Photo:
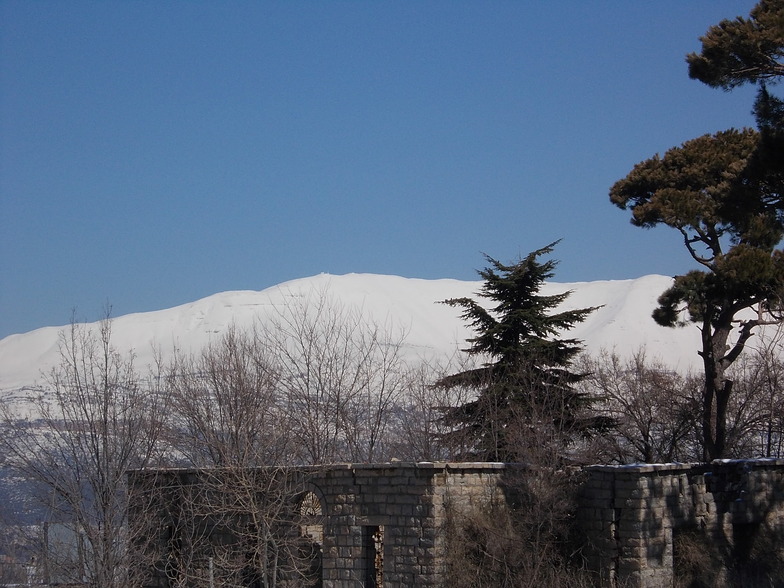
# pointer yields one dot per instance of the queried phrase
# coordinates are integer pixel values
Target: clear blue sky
(153, 153)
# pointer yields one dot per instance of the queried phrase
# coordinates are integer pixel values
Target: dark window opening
(374, 556)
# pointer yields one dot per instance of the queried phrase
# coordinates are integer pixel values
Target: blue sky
(153, 153)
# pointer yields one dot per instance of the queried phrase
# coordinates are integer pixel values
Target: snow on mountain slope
(623, 324)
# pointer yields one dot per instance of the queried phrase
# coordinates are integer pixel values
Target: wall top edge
(497, 466)
(421, 465)
(669, 467)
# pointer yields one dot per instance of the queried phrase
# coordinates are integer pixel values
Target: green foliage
(706, 190)
(723, 193)
(766, 167)
(740, 51)
(526, 374)
(692, 187)
(737, 52)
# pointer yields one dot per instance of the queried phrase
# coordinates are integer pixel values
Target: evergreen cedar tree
(527, 377)
(723, 193)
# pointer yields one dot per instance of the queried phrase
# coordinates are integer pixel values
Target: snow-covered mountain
(623, 324)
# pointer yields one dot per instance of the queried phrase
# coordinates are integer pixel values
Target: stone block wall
(378, 524)
(632, 515)
(385, 524)
(404, 506)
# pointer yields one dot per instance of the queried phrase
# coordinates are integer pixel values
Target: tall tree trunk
(709, 391)
(718, 388)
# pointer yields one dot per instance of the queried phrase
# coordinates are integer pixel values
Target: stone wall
(386, 524)
(404, 506)
(635, 518)
(376, 525)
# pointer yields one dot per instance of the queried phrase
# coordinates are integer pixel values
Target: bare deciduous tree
(526, 539)
(340, 375)
(227, 527)
(233, 520)
(95, 419)
(318, 383)
(417, 428)
(656, 409)
(755, 422)
(226, 405)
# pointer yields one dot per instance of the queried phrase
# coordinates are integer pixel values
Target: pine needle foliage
(724, 193)
(524, 382)
(742, 50)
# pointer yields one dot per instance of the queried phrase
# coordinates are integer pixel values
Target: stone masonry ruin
(375, 525)
(637, 517)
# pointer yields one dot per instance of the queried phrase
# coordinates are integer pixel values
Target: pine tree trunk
(717, 392)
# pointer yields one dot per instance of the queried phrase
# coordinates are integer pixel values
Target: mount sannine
(623, 324)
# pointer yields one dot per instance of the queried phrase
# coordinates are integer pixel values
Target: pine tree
(525, 381)
(742, 50)
(724, 195)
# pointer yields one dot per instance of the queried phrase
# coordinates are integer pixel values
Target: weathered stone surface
(629, 514)
(405, 502)
(654, 502)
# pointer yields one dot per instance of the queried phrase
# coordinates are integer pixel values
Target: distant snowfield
(622, 325)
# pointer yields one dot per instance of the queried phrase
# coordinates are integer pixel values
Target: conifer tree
(525, 379)
(723, 193)
(742, 50)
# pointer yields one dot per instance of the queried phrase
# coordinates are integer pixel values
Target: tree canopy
(723, 193)
(525, 375)
(735, 52)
